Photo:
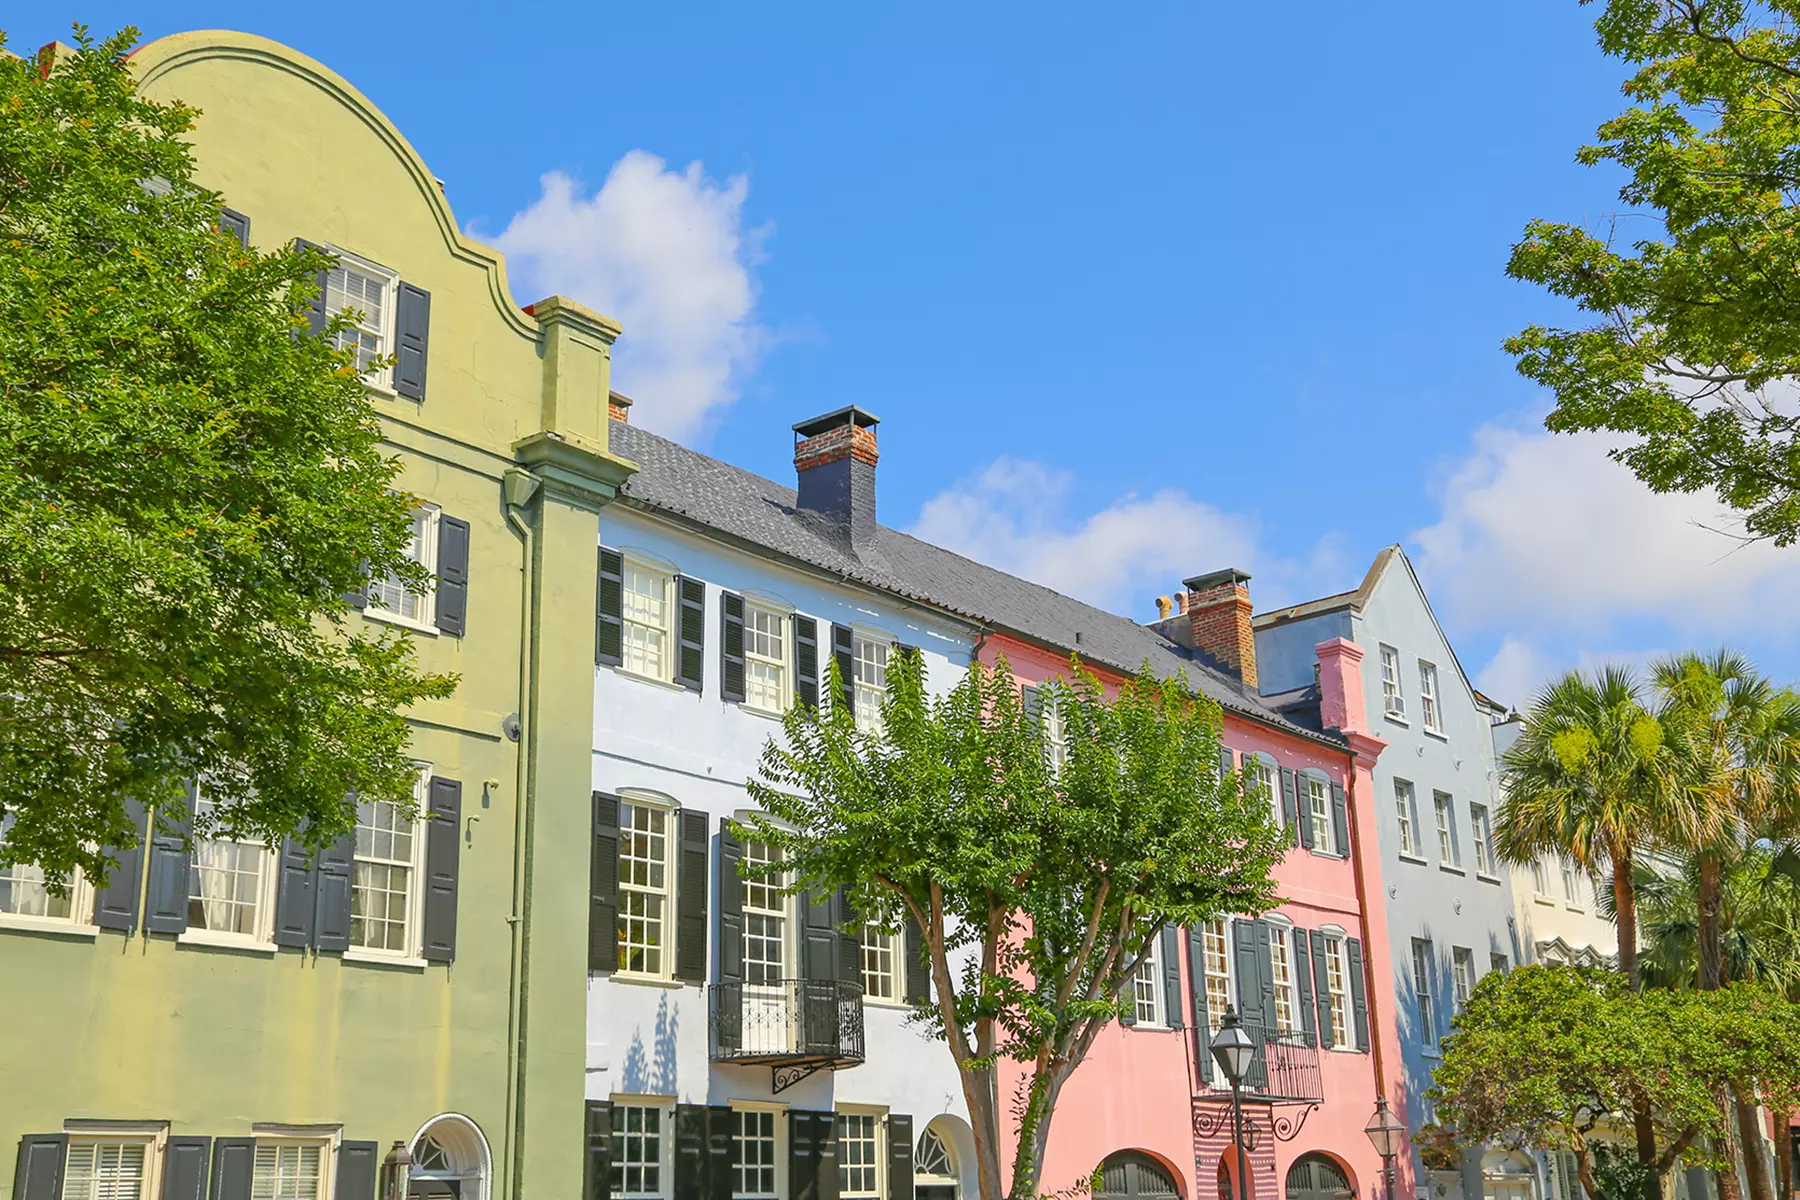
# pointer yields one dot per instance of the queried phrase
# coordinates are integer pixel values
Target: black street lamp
(1234, 1051)
(1384, 1134)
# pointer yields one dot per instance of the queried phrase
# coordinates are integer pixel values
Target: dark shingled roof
(750, 509)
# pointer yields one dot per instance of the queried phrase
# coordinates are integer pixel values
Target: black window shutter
(806, 1131)
(690, 898)
(918, 966)
(900, 1156)
(1303, 805)
(1202, 1017)
(1359, 1000)
(166, 908)
(603, 885)
(412, 333)
(849, 931)
(690, 658)
(184, 1168)
(1226, 765)
(1340, 820)
(719, 1152)
(806, 661)
(40, 1170)
(1266, 968)
(819, 938)
(295, 900)
(1290, 808)
(336, 866)
(596, 1182)
(443, 846)
(316, 317)
(1322, 987)
(1171, 969)
(452, 575)
(233, 1167)
(359, 599)
(236, 224)
(1031, 699)
(843, 649)
(116, 904)
(1249, 973)
(690, 1152)
(728, 1019)
(357, 1163)
(1303, 976)
(731, 647)
(609, 620)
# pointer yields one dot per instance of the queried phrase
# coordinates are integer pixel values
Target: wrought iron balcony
(797, 1026)
(1285, 1069)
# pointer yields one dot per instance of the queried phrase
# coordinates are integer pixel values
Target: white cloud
(667, 254)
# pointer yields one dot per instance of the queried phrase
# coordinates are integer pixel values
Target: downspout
(1362, 904)
(518, 489)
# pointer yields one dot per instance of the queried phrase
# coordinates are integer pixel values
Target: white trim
(61, 926)
(470, 1127)
(654, 801)
(880, 1120)
(784, 630)
(426, 557)
(414, 941)
(228, 941)
(377, 379)
(665, 1151)
(671, 616)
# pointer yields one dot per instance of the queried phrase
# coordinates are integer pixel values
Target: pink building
(1149, 1106)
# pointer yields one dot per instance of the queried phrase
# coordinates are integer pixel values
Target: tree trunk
(1711, 926)
(1784, 1154)
(1756, 1167)
(1625, 902)
(1726, 1177)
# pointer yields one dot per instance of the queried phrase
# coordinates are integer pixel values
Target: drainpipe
(1362, 904)
(518, 488)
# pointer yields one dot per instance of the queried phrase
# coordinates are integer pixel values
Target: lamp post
(396, 1164)
(1384, 1134)
(1234, 1051)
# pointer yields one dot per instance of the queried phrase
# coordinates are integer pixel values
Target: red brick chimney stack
(1218, 607)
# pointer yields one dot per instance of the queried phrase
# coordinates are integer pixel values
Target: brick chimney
(835, 456)
(618, 407)
(1218, 610)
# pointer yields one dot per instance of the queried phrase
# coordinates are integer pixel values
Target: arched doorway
(450, 1159)
(934, 1169)
(1134, 1175)
(1315, 1177)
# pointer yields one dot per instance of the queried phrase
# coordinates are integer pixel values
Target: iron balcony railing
(792, 1021)
(1286, 1065)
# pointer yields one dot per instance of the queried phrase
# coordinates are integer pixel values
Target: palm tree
(1593, 775)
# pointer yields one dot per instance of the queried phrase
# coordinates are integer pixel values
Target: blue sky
(1135, 299)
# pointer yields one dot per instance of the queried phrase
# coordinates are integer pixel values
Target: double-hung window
(1482, 834)
(1428, 696)
(647, 620)
(1497, 962)
(1428, 1032)
(753, 1160)
(1462, 974)
(859, 1156)
(766, 681)
(644, 879)
(1337, 990)
(1056, 733)
(1403, 811)
(765, 920)
(869, 665)
(1448, 853)
(1215, 950)
(288, 1170)
(1318, 811)
(1571, 894)
(1281, 965)
(637, 1151)
(370, 292)
(1263, 779)
(1539, 886)
(1393, 702)
(384, 890)
(25, 893)
(883, 960)
(108, 1168)
(1146, 986)
(388, 597)
(231, 888)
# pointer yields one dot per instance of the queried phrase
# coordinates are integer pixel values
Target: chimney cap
(850, 414)
(618, 399)
(1212, 579)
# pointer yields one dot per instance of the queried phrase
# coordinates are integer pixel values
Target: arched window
(450, 1159)
(934, 1169)
(1315, 1177)
(1133, 1175)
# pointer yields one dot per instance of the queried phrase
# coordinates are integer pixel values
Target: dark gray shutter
(1322, 986)
(720, 1152)
(412, 334)
(1303, 975)
(690, 656)
(443, 846)
(357, 1163)
(806, 661)
(731, 647)
(596, 1166)
(295, 900)
(918, 966)
(1359, 1000)
(1340, 820)
(336, 866)
(809, 1172)
(609, 610)
(452, 575)
(818, 993)
(236, 224)
(166, 906)
(1226, 764)
(116, 904)
(1303, 807)
(690, 1152)
(603, 885)
(1171, 970)
(900, 1156)
(728, 1013)
(1202, 1017)
(849, 951)
(316, 316)
(1249, 973)
(690, 898)
(184, 1168)
(1290, 808)
(843, 649)
(233, 1167)
(40, 1170)
(1031, 699)
(1266, 969)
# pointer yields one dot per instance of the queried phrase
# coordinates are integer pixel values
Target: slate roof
(759, 512)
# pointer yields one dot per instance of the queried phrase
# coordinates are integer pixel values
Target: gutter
(518, 488)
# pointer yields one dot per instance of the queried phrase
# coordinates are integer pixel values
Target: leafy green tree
(1694, 342)
(190, 485)
(1038, 887)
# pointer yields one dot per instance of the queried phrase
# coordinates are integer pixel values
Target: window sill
(1486, 878)
(1396, 718)
(1546, 901)
(1574, 908)
(1439, 734)
(60, 926)
(224, 941)
(767, 714)
(375, 613)
(884, 1002)
(1452, 868)
(652, 680)
(374, 959)
(642, 980)
(1413, 859)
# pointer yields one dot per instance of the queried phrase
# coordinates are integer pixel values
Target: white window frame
(152, 1138)
(783, 665)
(263, 936)
(664, 1107)
(1406, 813)
(1430, 711)
(891, 944)
(1337, 990)
(778, 1125)
(1571, 884)
(1281, 956)
(1540, 881)
(1481, 832)
(277, 1142)
(1393, 696)
(1056, 731)
(649, 802)
(412, 944)
(425, 554)
(1215, 1012)
(379, 378)
(867, 698)
(1267, 774)
(1147, 987)
(784, 913)
(1315, 790)
(1423, 999)
(80, 919)
(879, 1137)
(1462, 975)
(669, 631)
(1443, 806)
